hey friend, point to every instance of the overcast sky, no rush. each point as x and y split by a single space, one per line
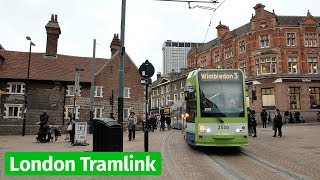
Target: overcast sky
148 23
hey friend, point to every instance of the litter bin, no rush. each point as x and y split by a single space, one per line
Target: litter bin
106 135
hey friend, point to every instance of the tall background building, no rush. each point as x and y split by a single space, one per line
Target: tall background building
175 55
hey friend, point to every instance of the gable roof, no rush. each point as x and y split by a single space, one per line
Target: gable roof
61 68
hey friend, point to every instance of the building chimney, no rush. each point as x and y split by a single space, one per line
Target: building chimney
158 75
222 30
115 44
258 8
53 32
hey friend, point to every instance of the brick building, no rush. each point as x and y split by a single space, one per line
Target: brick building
279 56
51 85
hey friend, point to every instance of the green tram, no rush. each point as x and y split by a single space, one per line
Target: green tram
215 112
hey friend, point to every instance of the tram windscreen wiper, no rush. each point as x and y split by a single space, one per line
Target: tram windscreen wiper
220 119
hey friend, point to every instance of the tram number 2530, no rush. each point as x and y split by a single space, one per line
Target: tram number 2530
223 127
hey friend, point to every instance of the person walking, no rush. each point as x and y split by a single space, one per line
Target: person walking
286 117
264 118
277 125
132 120
162 121
168 122
253 122
152 122
249 121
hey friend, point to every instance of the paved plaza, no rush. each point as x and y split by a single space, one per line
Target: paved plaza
298 140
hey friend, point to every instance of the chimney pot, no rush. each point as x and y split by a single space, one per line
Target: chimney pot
52 17
56 18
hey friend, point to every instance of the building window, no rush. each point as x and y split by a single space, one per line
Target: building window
264 41
268 97
203 61
168 100
126 112
175 98
157 91
97 112
181 85
313 65
98 91
126 92
16 87
167 88
310 39
294 97
228 52
158 102
13 110
292 65
242 47
175 86
182 95
162 102
266 66
291 39
314 97
69 110
216 56
70 90
162 89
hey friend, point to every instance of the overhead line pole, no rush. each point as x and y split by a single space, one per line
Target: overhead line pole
121 71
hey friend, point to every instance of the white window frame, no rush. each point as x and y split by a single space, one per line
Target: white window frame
167 99
264 41
175 98
11 88
269 62
70 90
126 92
310 39
242 47
158 102
181 85
96 111
291 39
216 56
126 112
292 65
182 95
98 89
7 110
228 52
167 88
69 109
268 97
313 65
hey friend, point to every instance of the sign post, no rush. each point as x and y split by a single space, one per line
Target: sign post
80 137
146 71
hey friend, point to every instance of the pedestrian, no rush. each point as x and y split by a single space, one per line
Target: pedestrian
291 121
249 121
286 117
253 122
162 121
153 122
132 120
277 125
297 116
168 122
71 127
264 118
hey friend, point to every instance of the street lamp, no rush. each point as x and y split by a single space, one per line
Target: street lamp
26 88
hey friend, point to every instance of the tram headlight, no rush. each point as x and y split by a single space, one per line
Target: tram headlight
204 129
241 129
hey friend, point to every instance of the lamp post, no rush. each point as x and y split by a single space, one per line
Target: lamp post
26 88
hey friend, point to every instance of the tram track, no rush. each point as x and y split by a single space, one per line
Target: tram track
229 167
174 169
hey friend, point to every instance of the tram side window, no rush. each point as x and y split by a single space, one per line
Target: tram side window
191 106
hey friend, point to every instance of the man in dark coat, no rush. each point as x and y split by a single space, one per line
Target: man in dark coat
168 122
264 118
277 124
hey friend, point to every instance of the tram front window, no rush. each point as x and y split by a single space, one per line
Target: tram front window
221 99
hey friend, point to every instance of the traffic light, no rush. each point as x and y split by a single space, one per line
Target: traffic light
254 94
